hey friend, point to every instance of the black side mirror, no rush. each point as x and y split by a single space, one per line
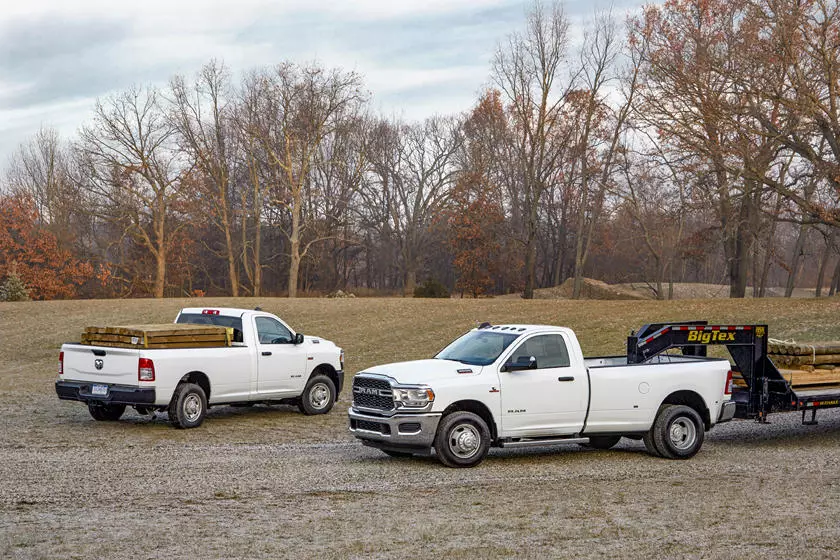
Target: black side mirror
298 338
521 363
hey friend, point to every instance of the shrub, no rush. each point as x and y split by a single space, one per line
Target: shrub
431 289
13 289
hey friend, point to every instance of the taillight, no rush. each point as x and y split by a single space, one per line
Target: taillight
61 363
145 370
727 390
341 360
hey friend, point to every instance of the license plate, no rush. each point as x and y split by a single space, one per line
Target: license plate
99 390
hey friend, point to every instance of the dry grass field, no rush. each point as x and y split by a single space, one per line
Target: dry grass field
269 482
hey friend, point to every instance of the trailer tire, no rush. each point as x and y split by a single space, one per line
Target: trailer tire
462 440
188 406
602 442
678 432
105 412
318 397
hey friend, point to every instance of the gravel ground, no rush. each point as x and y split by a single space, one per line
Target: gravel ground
75 488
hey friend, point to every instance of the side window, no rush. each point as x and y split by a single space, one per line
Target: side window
549 350
271 331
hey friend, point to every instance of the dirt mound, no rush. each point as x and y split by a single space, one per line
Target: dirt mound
591 289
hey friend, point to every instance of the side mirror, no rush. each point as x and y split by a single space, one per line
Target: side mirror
298 338
521 363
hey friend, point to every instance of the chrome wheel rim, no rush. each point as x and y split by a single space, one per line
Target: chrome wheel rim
683 433
319 396
192 407
464 441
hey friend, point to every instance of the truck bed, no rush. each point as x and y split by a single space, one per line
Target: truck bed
620 361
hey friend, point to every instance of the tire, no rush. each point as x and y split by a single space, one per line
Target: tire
650 445
397 454
678 432
104 412
602 442
318 397
462 440
188 406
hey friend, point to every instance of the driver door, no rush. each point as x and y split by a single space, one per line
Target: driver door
282 364
548 399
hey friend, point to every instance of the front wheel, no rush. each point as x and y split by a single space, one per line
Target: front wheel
462 440
188 406
104 412
677 432
318 397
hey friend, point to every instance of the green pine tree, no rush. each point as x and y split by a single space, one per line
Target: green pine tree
13 288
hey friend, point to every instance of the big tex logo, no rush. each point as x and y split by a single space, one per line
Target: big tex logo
711 336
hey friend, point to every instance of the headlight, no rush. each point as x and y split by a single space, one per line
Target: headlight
413 397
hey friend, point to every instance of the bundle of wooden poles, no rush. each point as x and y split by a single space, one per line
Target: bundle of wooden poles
807 363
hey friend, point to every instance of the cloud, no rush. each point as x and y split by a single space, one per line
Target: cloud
418 57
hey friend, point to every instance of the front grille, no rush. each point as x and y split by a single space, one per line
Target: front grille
373 393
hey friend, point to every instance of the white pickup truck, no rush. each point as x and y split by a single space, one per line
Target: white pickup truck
530 385
267 362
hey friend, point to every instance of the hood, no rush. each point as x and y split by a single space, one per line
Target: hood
424 371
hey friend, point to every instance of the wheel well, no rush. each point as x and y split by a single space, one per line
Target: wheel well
329 371
691 400
478 408
200 379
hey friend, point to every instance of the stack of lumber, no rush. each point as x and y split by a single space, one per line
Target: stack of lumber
807 364
158 336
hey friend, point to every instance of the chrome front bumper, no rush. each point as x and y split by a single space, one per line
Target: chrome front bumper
727 412
397 431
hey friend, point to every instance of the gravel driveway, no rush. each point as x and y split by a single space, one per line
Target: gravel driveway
75 488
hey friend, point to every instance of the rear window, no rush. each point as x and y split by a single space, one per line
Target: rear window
218 320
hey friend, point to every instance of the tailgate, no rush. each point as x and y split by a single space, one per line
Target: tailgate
100 364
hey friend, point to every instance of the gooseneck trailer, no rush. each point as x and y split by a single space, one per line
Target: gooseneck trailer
764 389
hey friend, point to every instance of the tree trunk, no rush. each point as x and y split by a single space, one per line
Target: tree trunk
798 251
410 279
160 273
835 281
829 245
231 258
294 248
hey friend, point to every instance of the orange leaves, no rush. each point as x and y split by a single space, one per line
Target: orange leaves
48 271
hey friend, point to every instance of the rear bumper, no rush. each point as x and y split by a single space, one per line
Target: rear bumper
117 394
401 431
727 411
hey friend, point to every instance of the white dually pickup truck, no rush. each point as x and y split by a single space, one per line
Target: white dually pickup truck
267 362
530 385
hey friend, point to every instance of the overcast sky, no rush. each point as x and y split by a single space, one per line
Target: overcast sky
418 57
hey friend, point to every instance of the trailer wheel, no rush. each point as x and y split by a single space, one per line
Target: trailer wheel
678 432
602 442
104 412
188 406
318 397
462 440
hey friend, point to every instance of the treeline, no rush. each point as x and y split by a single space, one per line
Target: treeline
697 142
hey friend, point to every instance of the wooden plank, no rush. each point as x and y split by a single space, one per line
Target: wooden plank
168 329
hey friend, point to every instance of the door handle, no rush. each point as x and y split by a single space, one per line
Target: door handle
566 378
266 353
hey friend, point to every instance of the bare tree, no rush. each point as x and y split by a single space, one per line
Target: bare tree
300 108
202 115
134 171
527 69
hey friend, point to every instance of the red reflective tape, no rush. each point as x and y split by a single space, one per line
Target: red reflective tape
683 328
649 339
747 328
715 328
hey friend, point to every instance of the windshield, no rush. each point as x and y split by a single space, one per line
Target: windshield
218 320
477 348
